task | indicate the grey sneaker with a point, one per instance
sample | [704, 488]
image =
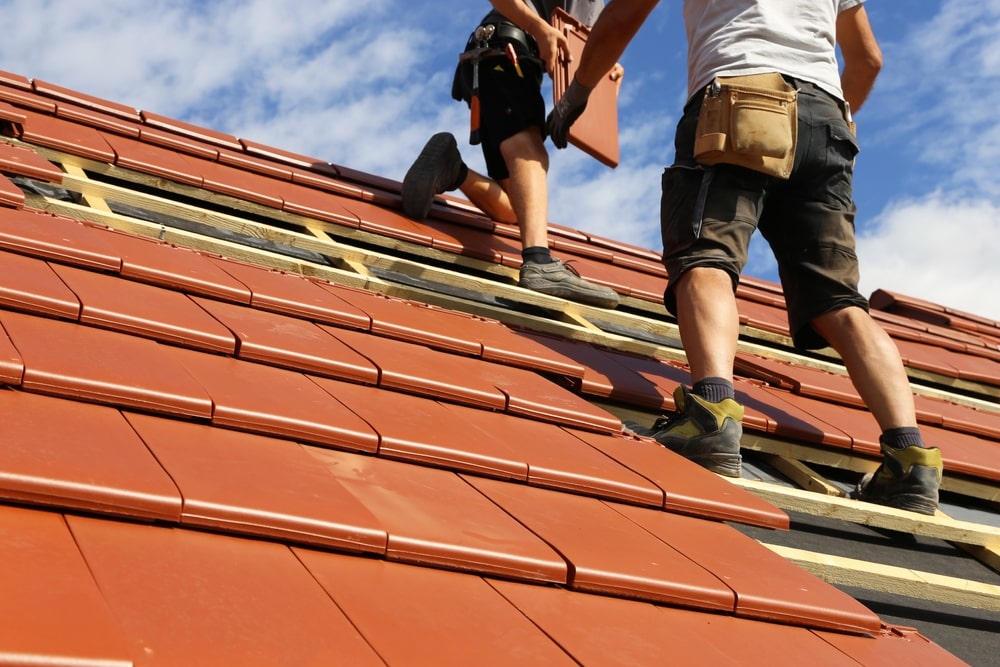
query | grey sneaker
[434, 171]
[704, 432]
[908, 479]
[562, 280]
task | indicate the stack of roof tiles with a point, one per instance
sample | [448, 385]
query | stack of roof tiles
[207, 461]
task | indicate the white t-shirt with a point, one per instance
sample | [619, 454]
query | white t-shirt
[736, 37]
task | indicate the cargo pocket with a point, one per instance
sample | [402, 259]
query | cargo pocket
[682, 204]
[841, 150]
[843, 140]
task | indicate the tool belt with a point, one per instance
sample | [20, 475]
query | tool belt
[503, 33]
[493, 38]
[750, 121]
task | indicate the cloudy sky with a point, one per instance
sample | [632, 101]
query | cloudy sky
[364, 84]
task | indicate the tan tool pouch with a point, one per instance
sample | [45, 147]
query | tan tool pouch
[751, 121]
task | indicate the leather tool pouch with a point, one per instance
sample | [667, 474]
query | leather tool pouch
[750, 121]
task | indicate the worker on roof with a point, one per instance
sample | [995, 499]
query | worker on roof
[767, 142]
[500, 76]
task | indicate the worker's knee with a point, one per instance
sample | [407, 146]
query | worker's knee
[525, 145]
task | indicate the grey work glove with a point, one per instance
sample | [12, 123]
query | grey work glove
[566, 111]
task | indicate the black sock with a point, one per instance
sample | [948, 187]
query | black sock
[536, 255]
[714, 389]
[463, 173]
[902, 437]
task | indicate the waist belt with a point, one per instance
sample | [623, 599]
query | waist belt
[503, 33]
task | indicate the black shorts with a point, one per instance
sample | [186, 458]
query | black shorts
[509, 102]
[708, 214]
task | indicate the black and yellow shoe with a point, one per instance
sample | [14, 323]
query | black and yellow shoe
[704, 432]
[908, 479]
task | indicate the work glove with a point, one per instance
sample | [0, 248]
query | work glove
[566, 111]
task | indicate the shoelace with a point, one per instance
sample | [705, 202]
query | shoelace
[666, 421]
[572, 269]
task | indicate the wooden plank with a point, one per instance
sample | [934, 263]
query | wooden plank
[988, 556]
[801, 474]
[841, 571]
[876, 516]
[345, 253]
[78, 172]
[350, 278]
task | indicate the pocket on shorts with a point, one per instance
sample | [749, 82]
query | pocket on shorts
[843, 141]
[842, 148]
[681, 208]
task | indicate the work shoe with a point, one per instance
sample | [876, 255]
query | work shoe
[562, 280]
[907, 479]
[704, 432]
[434, 171]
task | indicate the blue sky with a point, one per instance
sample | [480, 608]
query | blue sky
[364, 84]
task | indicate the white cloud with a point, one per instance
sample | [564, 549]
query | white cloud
[938, 249]
[936, 105]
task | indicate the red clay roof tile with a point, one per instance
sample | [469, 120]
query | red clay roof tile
[80, 362]
[295, 295]
[171, 266]
[60, 134]
[608, 553]
[244, 598]
[26, 162]
[433, 517]
[10, 194]
[53, 611]
[270, 488]
[144, 310]
[56, 237]
[274, 401]
[391, 602]
[287, 341]
[87, 459]
[31, 284]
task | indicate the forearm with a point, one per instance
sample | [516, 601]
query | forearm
[857, 82]
[615, 28]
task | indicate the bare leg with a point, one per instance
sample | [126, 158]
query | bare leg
[873, 363]
[489, 196]
[709, 322]
[528, 163]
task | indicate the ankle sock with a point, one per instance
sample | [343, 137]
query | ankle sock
[714, 389]
[902, 437]
[463, 173]
[536, 255]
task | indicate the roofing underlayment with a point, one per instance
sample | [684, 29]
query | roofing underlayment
[253, 415]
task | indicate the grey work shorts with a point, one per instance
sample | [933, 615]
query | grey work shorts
[708, 214]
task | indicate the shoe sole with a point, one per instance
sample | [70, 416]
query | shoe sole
[730, 465]
[908, 502]
[596, 301]
[419, 186]
[568, 293]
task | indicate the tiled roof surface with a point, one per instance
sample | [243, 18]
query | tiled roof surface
[206, 460]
